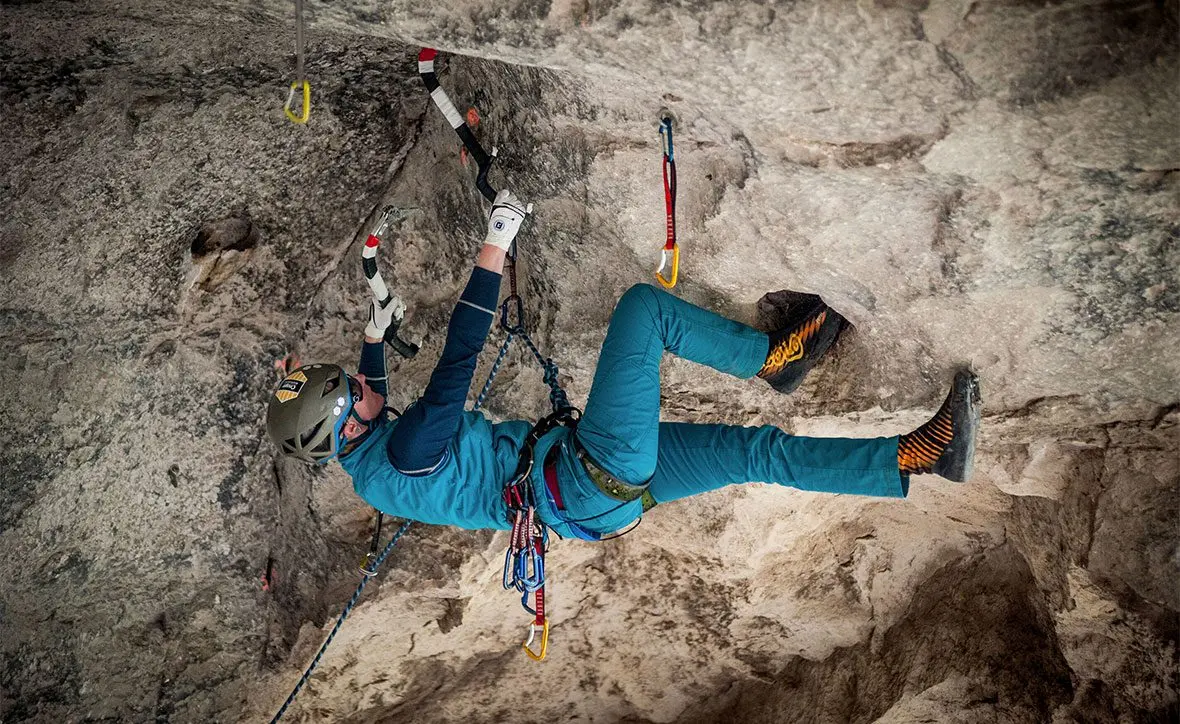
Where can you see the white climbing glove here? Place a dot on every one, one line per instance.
(380, 317)
(507, 213)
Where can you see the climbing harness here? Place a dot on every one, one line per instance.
(300, 78)
(669, 268)
(381, 292)
(343, 614)
(524, 562)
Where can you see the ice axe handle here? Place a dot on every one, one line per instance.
(381, 292)
(401, 346)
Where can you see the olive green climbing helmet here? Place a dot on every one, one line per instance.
(307, 412)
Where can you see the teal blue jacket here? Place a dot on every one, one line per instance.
(464, 491)
(439, 463)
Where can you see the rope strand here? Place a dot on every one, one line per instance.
(343, 614)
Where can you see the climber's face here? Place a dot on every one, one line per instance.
(367, 406)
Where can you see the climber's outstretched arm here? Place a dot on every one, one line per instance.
(419, 445)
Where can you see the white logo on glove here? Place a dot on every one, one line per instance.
(504, 221)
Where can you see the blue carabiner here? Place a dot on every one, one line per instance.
(537, 575)
(533, 582)
(524, 602)
(522, 573)
(540, 573)
(509, 564)
(666, 137)
(530, 571)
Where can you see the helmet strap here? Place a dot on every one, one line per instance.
(368, 424)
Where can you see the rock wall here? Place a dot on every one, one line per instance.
(968, 182)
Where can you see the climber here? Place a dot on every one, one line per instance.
(438, 463)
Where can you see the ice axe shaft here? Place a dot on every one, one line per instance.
(381, 292)
(483, 159)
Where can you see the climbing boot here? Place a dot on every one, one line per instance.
(945, 445)
(809, 329)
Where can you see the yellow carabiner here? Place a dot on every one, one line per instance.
(668, 283)
(544, 641)
(306, 102)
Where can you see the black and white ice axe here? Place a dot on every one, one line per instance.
(381, 292)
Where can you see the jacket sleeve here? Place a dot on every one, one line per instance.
(372, 366)
(419, 444)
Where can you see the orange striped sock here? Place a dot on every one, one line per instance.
(917, 451)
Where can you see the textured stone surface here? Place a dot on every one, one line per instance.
(991, 183)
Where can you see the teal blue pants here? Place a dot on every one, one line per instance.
(621, 427)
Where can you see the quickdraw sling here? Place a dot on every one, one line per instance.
(300, 81)
(669, 269)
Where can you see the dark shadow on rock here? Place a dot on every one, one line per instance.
(980, 619)
(236, 232)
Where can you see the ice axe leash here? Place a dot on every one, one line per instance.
(380, 291)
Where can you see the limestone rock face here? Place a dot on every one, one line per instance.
(983, 183)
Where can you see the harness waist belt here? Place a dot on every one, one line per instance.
(604, 481)
(607, 484)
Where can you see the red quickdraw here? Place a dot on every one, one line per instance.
(540, 625)
(524, 566)
(524, 562)
(669, 269)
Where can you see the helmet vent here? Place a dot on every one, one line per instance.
(308, 436)
(324, 446)
(330, 385)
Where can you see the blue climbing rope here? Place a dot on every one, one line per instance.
(487, 385)
(557, 396)
(343, 614)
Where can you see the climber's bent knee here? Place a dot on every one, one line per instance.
(640, 299)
